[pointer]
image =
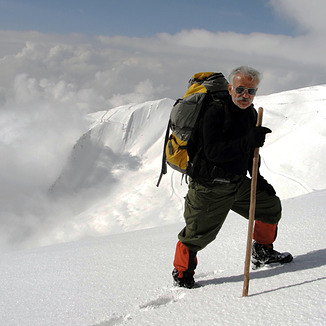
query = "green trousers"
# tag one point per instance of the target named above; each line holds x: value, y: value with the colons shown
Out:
x: 208, y: 204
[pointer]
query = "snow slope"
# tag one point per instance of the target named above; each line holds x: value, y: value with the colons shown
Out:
x: 126, y: 279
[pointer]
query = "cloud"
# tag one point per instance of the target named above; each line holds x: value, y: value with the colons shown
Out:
x: 114, y: 68
x: 309, y: 16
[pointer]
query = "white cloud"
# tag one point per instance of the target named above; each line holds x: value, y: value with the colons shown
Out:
x: 114, y: 66
x: 309, y: 16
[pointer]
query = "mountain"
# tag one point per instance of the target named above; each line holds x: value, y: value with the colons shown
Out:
x: 112, y: 171
x: 111, y: 174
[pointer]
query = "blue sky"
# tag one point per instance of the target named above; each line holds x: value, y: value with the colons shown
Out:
x: 141, y: 18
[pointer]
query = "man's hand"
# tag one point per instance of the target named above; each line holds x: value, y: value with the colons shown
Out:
x: 257, y: 136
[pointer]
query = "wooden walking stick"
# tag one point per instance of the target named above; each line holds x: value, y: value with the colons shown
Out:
x: 252, y: 210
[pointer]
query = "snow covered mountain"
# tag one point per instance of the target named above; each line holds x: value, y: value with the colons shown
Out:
x: 112, y: 171
x: 107, y: 186
x: 111, y: 174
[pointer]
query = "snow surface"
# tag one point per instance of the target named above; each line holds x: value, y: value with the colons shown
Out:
x: 125, y: 279
x: 117, y: 271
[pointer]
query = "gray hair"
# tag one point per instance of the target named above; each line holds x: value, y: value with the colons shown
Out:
x: 246, y: 71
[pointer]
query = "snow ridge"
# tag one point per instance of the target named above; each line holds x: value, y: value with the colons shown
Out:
x: 115, y: 165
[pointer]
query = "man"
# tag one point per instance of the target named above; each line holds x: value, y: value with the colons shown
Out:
x: 228, y: 136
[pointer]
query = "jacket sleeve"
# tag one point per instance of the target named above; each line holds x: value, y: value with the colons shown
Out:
x: 217, y: 148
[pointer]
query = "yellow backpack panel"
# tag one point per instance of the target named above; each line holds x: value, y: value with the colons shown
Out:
x: 176, y: 153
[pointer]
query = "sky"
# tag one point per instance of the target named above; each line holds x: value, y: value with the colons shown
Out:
x: 141, y: 18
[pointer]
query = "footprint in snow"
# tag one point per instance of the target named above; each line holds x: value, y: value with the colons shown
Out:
x: 114, y: 320
x: 162, y: 300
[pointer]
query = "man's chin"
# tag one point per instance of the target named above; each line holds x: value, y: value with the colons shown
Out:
x: 243, y: 104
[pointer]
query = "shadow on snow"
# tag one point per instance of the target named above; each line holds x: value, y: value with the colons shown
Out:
x: 310, y: 260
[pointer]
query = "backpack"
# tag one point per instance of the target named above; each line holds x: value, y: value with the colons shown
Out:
x: 184, y: 117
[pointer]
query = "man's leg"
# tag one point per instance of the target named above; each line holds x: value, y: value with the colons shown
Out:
x: 185, y: 262
x: 267, y: 215
x: 206, y: 207
x: 264, y: 233
x: 268, y: 210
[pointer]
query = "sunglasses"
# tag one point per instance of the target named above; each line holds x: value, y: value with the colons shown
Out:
x: 251, y: 91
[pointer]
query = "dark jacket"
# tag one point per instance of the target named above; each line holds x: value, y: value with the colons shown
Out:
x: 223, y: 137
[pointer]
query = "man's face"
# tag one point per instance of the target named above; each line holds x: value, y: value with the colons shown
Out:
x: 246, y: 85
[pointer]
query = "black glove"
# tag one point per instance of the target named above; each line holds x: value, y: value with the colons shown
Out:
x: 257, y: 136
x: 263, y: 185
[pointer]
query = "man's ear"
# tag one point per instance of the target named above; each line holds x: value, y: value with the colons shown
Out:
x: 230, y: 88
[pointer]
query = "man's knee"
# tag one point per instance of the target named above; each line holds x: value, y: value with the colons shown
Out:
x: 269, y: 211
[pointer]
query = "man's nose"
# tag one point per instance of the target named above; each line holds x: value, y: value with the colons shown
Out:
x: 245, y: 93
